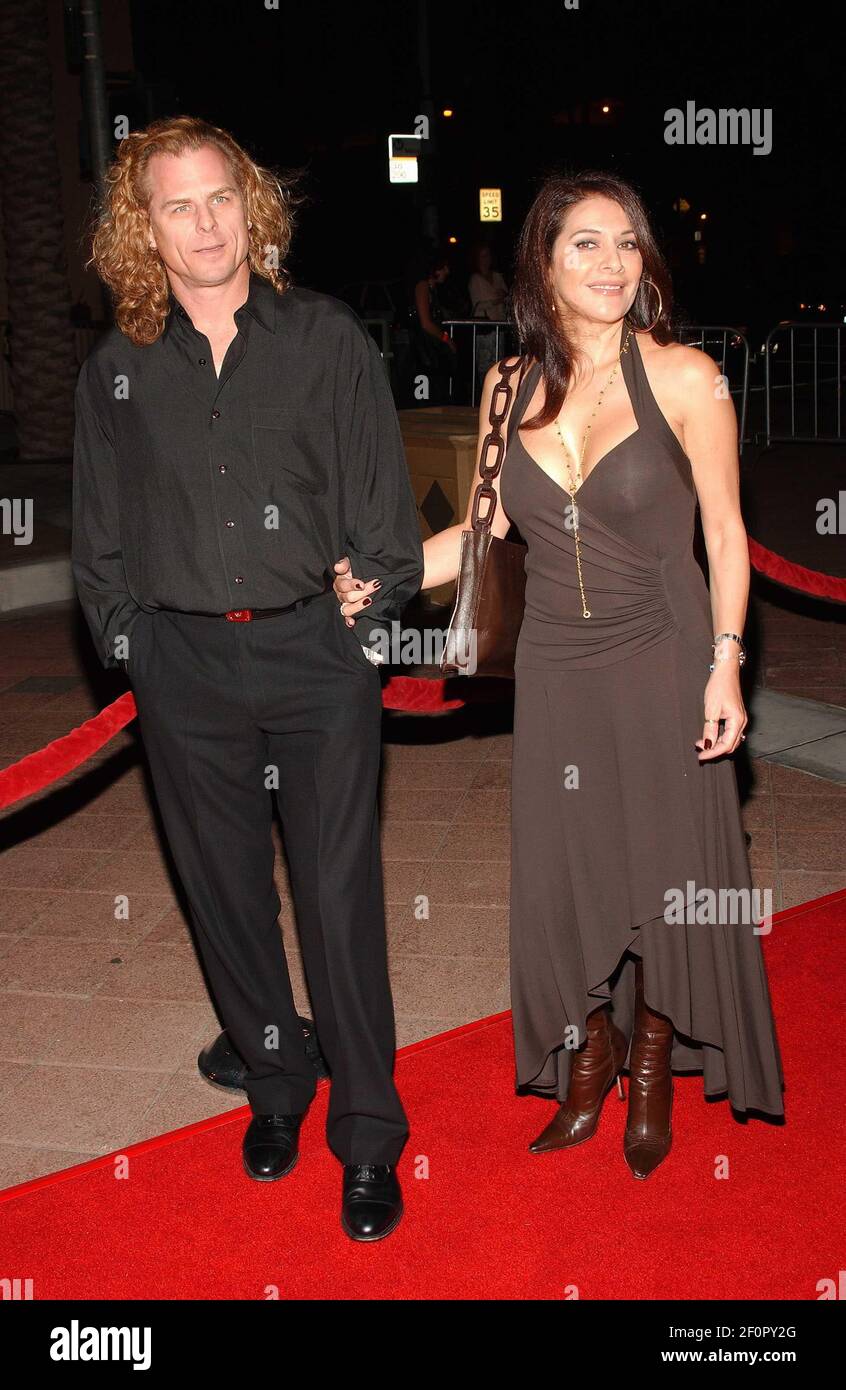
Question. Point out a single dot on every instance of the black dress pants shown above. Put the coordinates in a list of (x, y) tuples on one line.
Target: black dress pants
[(231, 712)]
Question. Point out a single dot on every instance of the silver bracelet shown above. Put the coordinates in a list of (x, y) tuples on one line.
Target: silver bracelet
[(741, 655)]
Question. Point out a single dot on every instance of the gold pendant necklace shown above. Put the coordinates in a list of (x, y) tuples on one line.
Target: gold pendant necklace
[(576, 482)]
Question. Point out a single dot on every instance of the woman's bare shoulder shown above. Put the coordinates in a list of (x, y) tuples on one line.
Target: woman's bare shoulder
[(492, 375), (679, 373), (676, 359), (509, 362)]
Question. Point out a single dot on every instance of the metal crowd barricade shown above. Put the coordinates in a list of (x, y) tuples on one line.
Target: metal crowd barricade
[(808, 404), (726, 345), (380, 329), (505, 343)]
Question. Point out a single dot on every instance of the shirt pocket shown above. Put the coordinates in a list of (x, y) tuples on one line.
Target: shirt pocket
[(288, 446)]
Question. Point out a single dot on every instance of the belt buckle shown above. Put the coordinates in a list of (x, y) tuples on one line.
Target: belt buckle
[(239, 615)]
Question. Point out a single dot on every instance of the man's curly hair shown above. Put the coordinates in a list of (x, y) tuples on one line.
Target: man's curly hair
[(133, 271)]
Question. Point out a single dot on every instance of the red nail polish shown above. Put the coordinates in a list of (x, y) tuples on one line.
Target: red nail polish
[(707, 743), (365, 601)]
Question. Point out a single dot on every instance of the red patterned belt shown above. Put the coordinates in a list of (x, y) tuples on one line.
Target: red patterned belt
[(248, 615)]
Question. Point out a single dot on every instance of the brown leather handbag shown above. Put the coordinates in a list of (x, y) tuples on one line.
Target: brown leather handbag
[(491, 581)]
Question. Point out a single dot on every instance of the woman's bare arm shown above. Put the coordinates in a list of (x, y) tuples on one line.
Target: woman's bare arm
[(424, 312), (709, 428)]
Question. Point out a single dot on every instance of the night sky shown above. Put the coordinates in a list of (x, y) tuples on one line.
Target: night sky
[(319, 86)]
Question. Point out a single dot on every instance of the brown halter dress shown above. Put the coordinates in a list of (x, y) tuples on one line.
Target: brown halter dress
[(615, 702)]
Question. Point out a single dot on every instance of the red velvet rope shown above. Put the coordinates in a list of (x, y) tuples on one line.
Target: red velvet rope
[(416, 696), (48, 764), (797, 577), (407, 693), (37, 770)]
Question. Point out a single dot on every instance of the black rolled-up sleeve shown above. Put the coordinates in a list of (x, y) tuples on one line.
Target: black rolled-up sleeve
[(96, 557), (382, 530)]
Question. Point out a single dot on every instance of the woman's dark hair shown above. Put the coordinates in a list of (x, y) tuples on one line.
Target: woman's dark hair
[(431, 259), (541, 331)]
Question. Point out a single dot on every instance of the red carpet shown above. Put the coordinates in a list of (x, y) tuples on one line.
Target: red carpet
[(484, 1218)]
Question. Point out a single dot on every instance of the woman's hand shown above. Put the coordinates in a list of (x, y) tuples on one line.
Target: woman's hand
[(354, 595), (723, 700)]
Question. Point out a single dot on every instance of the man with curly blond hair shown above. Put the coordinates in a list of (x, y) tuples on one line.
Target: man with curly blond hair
[(235, 434)]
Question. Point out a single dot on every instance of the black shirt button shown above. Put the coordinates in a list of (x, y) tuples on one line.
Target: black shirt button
[(221, 468), (239, 579), (215, 414), (202, 361)]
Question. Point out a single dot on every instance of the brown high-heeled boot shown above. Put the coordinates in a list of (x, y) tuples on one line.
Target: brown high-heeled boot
[(592, 1073), (648, 1135)]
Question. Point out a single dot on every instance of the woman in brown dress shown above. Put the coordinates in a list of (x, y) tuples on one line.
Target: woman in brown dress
[(634, 924)]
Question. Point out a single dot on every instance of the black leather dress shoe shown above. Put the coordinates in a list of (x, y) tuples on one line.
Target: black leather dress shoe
[(372, 1204), (221, 1063), (271, 1146)]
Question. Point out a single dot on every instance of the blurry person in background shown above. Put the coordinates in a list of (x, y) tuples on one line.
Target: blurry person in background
[(433, 351), (488, 300)]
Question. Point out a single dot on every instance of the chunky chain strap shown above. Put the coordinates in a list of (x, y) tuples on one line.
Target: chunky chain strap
[(503, 394)]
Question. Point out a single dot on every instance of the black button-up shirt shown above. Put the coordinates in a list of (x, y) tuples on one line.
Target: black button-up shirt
[(205, 494)]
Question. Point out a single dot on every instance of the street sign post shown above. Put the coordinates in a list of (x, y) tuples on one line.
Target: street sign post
[(403, 151), (490, 204)]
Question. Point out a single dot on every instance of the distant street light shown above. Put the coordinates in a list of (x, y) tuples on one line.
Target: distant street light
[(447, 111)]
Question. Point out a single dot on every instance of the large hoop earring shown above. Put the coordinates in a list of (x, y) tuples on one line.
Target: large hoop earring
[(644, 280)]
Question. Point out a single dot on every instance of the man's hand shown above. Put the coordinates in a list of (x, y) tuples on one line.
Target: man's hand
[(354, 595)]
